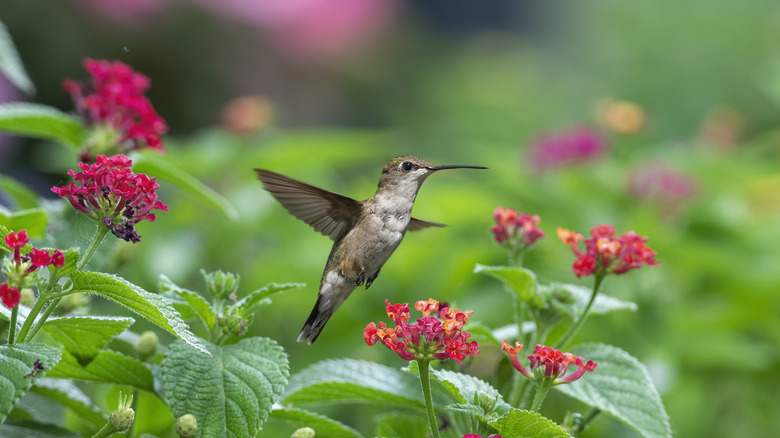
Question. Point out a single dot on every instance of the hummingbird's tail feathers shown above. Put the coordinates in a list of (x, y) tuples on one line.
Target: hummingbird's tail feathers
[(334, 290), (314, 324)]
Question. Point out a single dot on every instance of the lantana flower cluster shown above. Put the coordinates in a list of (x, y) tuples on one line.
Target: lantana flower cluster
[(549, 363), (517, 231), (109, 191), (20, 269), (114, 102), (606, 254), (474, 435), (439, 337)]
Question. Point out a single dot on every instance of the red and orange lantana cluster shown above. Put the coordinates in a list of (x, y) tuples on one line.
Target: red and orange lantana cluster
[(547, 362), (439, 337), (109, 191), (606, 254), (516, 229), (20, 269), (114, 99)]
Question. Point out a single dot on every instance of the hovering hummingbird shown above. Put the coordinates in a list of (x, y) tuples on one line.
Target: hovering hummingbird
[(364, 233)]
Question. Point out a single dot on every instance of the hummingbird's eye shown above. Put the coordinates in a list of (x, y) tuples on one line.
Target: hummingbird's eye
[(406, 166)]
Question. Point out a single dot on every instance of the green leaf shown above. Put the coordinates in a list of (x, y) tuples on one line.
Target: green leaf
[(69, 395), (30, 429), (19, 194), (525, 424), (41, 121), (231, 391), (160, 167), (621, 386), (254, 299), (152, 307), (85, 336), (581, 296), (521, 281), (199, 305), (471, 390), (33, 220), (402, 425), (107, 367), (354, 380), (11, 65), (323, 426), (15, 362)]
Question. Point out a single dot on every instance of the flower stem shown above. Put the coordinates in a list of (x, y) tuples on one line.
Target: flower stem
[(425, 381), (30, 318), (100, 233), (12, 328), (574, 328), (106, 431), (541, 392)]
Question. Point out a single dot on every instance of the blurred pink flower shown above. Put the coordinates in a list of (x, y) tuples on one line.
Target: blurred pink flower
[(661, 184), (310, 28), (578, 144)]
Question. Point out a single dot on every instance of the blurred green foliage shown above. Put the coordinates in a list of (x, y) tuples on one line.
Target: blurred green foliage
[(707, 323)]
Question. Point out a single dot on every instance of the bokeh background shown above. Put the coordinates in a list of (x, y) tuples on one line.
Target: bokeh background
[(660, 117)]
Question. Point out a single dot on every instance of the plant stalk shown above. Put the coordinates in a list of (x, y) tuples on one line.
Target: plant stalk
[(425, 381), (574, 328)]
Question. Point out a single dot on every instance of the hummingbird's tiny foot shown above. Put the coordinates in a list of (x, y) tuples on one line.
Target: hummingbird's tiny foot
[(361, 277), (370, 281)]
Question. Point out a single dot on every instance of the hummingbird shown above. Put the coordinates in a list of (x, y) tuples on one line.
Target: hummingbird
[(364, 233)]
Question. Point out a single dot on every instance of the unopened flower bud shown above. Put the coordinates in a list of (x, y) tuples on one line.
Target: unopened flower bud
[(221, 284), (122, 418), (304, 432), (147, 344), (187, 426)]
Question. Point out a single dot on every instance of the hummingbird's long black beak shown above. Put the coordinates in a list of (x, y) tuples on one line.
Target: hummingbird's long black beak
[(454, 166)]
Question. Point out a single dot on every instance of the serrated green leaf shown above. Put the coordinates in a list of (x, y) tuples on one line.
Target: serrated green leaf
[(4, 232), (324, 427), (16, 361), (162, 168), (354, 380), (395, 425), (196, 302), (525, 424), (471, 390), (231, 391), (30, 429), (18, 193), (41, 121), (253, 299), (107, 367), (85, 336), (11, 65), (152, 307), (33, 220), (519, 280), (581, 295), (70, 396), (621, 386)]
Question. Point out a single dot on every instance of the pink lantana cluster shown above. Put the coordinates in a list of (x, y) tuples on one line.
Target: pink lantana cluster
[(516, 229), (576, 145), (115, 99), (109, 191), (606, 254), (19, 270), (439, 337), (474, 435), (547, 362)]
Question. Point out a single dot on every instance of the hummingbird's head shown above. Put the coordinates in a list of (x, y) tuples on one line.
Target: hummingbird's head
[(406, 173)]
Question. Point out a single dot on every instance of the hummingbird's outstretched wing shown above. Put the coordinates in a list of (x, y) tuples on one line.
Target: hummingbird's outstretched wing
[(329, 213), (417, 224)]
